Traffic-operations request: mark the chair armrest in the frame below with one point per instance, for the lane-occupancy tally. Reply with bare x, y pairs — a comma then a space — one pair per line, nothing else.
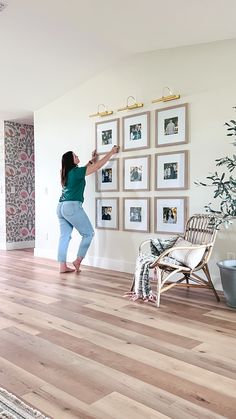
143, 244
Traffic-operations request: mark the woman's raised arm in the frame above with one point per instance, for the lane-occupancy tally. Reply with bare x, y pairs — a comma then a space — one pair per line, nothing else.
93, 167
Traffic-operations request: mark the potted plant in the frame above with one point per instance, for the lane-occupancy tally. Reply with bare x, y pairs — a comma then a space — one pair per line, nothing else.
225, 191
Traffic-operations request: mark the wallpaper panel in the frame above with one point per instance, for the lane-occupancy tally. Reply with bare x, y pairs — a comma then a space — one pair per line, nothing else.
19, 182
2, 186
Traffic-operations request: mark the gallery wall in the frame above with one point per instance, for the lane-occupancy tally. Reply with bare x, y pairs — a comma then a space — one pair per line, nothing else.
204, 75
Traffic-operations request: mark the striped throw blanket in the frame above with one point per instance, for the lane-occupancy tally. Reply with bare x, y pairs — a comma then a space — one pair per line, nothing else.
142, 286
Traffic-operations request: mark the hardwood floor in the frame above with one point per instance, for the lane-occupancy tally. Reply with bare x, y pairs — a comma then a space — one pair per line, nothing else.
73, 347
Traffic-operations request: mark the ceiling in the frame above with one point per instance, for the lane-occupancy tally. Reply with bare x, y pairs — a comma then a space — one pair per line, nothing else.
50, 46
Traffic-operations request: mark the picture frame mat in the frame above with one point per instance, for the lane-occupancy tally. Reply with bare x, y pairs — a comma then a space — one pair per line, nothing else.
165, 160
134, 163
142, 205
181, 204
128, 121
113, 204
111, 185
179, 111
103, 127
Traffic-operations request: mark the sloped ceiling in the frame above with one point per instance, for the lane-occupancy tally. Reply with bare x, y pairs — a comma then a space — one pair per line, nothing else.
50, 46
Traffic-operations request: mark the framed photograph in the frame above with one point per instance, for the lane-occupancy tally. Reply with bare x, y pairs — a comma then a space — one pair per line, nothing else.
171, 126
171, 170
107, 178
170, 214
136, 173
107, 213
136, 214
136, 131
107, 135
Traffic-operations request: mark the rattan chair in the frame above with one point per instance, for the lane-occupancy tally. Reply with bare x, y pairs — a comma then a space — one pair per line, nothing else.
201, 230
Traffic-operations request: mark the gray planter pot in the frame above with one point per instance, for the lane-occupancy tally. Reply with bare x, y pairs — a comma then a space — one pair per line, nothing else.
228, 279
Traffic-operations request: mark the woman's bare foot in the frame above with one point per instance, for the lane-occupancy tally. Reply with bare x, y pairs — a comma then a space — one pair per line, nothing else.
65, 269
77, 264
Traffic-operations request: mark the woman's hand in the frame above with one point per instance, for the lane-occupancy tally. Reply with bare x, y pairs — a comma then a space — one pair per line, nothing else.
115, 149
94, 166
94, 156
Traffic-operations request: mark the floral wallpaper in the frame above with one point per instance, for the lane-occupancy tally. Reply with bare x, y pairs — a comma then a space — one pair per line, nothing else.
19, 182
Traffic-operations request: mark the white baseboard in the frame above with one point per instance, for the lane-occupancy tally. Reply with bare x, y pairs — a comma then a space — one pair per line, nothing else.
113, 264
17, 245
105, 263
45, 253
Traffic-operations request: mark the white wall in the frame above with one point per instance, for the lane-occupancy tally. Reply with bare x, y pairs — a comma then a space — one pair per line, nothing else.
205, 77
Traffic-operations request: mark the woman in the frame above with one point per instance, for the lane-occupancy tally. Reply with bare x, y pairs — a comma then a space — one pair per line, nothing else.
70, 210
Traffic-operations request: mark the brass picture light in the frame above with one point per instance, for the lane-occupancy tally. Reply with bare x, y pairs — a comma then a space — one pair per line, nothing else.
167, 98
129, 105
105, 112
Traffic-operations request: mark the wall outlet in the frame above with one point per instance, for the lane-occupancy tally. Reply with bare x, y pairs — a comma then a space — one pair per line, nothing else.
231, 255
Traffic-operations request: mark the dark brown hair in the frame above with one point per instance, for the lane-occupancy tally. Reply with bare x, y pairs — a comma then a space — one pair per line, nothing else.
67, 163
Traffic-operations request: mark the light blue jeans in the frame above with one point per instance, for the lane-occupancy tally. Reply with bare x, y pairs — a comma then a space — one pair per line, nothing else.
72, 215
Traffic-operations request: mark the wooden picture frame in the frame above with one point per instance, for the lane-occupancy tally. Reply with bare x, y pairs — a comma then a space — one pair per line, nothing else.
170, 214
171, 170
106, 135
136, 173
107, 178
107, 213
136, 214
136, 131
171, 125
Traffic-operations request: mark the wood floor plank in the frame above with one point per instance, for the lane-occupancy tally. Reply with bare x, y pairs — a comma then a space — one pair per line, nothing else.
200, 332
225, 315
10, 292
116, 406
58, 404
17, 380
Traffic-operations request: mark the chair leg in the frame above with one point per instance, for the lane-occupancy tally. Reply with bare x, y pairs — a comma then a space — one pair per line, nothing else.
187, 281
207, 273
159, 280
132, 286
